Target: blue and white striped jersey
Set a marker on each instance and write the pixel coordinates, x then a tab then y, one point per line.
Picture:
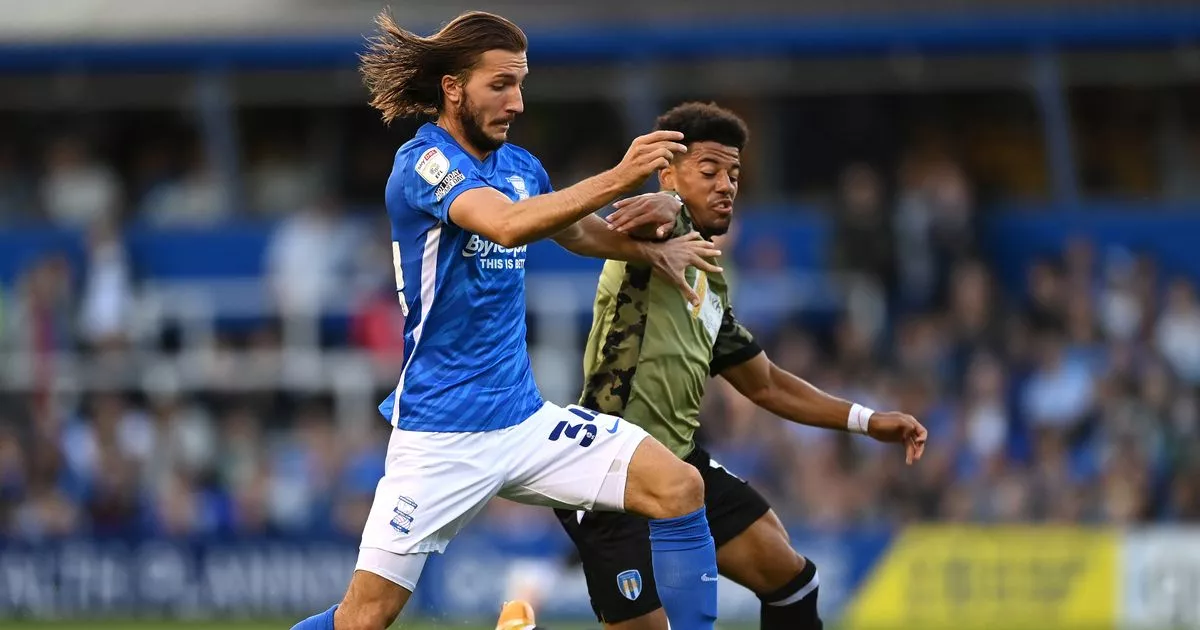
466	366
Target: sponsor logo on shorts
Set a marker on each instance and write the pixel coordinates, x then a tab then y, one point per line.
704	577
630	584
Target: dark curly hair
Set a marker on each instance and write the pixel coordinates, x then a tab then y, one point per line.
404	71
705	122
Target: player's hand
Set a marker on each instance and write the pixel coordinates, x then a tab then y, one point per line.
654	212
672	258
899	428
646	155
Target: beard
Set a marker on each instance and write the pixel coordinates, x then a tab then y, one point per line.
716	230
719	230
472	123
714	227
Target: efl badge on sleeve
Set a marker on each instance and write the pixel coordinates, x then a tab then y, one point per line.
433	166
630	583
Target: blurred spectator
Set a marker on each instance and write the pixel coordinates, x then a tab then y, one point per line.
41	313
110	433
1178	335
77	189
936	227
377	325
1060	392
195	199
310	255
280	182
863	248
40	325
378	328
302	468
183	434
1047	298
17	199
985	420
108	301
1121	310
47	513
863	242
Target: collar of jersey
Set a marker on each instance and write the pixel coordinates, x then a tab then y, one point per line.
485	167
686	224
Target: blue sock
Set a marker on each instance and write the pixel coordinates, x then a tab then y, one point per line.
685	570
323	621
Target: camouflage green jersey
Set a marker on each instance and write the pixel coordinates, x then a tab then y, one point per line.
650	353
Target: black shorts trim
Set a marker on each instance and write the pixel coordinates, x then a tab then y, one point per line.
613	544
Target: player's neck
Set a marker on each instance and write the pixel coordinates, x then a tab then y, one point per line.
690	219
454	128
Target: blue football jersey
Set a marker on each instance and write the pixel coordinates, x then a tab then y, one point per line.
466	366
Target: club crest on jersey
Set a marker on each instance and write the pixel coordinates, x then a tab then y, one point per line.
630	584
433	166
453	178
518	185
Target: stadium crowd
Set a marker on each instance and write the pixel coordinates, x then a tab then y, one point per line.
1076	400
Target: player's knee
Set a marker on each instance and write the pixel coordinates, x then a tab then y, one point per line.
660	485
681	492
376	614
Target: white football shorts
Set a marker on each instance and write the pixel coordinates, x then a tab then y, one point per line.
435	483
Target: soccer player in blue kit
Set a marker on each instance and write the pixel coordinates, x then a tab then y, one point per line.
469	422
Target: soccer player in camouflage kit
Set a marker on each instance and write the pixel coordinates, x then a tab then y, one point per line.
648	359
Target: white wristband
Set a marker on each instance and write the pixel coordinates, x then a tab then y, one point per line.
858	419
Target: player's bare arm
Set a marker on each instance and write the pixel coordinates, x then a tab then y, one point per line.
489	213
591	237
648	217
792	398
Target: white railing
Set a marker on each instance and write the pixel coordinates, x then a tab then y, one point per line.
560	303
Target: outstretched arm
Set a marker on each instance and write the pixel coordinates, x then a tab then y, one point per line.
791	397
487	212
617	238
592	237
787	395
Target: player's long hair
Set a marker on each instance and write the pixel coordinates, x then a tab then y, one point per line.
404	71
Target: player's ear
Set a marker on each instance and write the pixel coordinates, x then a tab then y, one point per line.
666	177
452	88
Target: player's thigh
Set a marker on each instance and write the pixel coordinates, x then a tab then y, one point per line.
753	548
571	458
433	485
614	549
